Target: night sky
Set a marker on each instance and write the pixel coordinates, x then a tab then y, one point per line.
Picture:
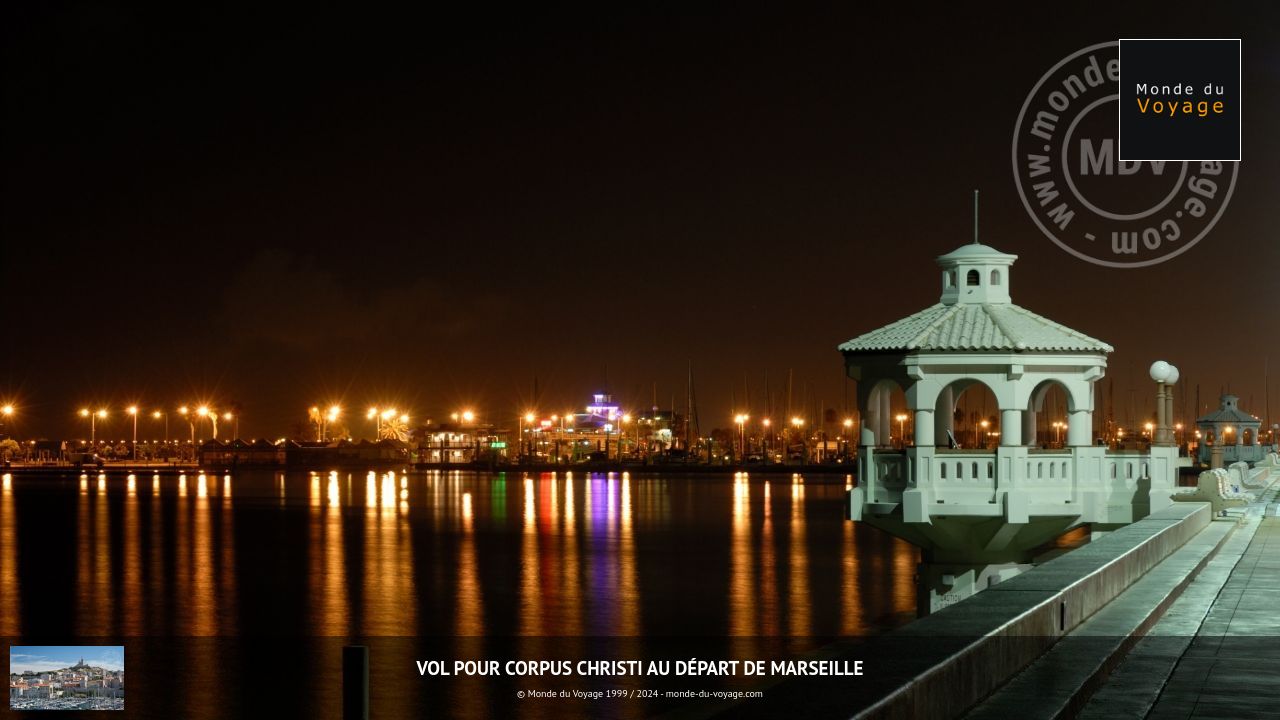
286	208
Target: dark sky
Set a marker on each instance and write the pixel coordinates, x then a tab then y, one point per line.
280	208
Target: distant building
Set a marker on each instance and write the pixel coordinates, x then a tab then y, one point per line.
240	452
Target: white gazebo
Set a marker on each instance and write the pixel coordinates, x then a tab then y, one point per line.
977	513
1231	431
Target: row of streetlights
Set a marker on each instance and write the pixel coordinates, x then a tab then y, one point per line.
323	418
201	412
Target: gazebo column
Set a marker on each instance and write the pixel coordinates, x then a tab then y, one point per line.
1029	426
943	418
884	433
1079	428
924	427
1010	428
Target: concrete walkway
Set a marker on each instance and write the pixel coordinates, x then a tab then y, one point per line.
1216	652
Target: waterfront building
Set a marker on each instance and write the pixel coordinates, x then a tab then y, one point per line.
460	442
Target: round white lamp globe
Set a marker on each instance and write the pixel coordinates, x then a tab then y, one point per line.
1159	370
1173	375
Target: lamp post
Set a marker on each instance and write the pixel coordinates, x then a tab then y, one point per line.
798	423
1166	376
204	412
7	412
846	434
741	420
523	421
902	428
159	414
235	423
984	425
186	414
133	452
330	417
623	421
93	422
768	439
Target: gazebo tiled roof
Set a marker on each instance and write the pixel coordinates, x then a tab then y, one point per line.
998	327
1229	412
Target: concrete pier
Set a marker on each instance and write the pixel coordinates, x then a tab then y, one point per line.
1216	653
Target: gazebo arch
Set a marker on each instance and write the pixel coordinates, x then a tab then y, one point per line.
947	399
875	406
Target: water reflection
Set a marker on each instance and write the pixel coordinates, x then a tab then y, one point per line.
10	595
453	554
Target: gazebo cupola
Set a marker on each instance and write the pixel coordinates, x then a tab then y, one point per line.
977	274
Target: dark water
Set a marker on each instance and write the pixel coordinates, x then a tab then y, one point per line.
230	592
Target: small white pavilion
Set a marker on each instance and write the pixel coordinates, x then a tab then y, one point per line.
1231	431
975	512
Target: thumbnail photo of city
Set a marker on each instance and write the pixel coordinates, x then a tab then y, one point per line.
66	677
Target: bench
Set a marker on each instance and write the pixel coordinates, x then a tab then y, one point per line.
1218	488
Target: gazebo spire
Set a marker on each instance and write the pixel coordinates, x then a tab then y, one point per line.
975	216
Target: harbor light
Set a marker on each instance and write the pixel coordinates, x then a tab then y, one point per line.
7	410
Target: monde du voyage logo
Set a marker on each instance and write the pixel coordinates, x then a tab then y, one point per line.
1072	182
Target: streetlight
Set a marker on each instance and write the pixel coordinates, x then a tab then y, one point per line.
848	432
902	428
235	424
526	419
93	422
204	412
332	415
741	420
185	413
622	432
984	425
468	416
159	414
133	411
797	422
7	412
